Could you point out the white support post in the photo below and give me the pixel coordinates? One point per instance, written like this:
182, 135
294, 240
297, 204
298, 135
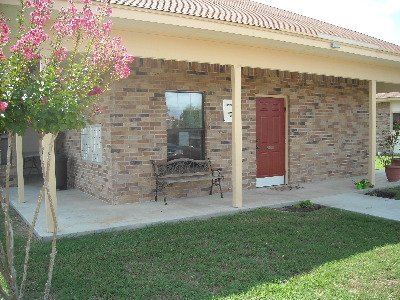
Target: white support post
372, 131
20, 169
236, 81
52, 180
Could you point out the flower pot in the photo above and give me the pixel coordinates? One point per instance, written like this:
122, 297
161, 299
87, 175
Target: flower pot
396, 162
392, 173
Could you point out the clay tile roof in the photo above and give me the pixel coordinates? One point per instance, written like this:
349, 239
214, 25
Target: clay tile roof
388, 95
251, 13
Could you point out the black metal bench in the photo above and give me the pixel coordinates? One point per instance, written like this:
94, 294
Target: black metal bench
185, 170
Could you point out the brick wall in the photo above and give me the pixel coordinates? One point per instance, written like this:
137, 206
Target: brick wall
328, 131
382, 123
91, 178
328, 123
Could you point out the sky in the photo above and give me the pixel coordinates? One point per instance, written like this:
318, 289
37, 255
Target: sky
377, 18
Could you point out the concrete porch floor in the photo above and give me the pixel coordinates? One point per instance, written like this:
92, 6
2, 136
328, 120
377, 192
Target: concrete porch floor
79, 213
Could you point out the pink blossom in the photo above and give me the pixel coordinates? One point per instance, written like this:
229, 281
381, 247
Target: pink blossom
96, 90
3, 106
4, 32
30, 42
41, 10
106, 26
61, 53
97, 110
122, 70
29, 54
127, 58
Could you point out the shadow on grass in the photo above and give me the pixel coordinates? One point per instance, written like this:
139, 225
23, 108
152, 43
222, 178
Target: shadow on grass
204, 259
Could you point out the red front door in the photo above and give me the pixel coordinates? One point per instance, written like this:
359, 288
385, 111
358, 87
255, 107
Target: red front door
270, 134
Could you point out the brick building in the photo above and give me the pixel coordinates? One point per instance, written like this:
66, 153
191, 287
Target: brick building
327, 118
302, 94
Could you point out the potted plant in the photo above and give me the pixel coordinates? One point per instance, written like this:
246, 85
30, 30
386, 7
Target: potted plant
387, 159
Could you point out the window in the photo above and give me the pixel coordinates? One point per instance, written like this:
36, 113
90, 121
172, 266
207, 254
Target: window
395, 118
91, 149
185, 125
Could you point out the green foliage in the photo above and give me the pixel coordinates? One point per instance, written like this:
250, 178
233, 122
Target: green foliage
389, 143
363, 184
263, 254
15, 81
61, 102
304, 204
191, 117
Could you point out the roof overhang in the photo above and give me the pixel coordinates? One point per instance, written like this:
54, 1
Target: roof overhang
179, 24
158, 34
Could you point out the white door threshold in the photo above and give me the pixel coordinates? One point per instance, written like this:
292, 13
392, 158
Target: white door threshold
270, 181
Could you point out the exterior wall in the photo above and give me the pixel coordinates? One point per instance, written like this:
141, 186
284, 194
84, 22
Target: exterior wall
382, 123
328, 123
328, 127
91, 178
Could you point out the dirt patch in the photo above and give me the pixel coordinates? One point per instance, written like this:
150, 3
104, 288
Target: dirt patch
301, 209
19, 226
286, 187
382, 193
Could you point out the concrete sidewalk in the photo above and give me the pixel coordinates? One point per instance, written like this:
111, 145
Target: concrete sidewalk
357, 202
79, 213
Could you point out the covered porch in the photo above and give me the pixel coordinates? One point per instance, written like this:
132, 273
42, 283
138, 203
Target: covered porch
238, 47
80, 213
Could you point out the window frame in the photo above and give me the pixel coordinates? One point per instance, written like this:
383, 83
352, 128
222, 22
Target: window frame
203, 119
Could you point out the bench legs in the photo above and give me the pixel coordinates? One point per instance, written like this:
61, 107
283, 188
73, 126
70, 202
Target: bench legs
216, 181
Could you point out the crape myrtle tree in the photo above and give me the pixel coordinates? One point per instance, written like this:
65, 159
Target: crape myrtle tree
52, 71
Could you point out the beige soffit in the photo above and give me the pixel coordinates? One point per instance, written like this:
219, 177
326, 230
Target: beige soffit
259, 15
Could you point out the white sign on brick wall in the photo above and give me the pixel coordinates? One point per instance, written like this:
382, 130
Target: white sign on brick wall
227, 108
91, 147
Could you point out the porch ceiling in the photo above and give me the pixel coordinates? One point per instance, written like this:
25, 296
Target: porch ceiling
382, 87
166, 35
255, 52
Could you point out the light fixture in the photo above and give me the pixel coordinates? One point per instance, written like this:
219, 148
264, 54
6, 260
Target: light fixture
335, 45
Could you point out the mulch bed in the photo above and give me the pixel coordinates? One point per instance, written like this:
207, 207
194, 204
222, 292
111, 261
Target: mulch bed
286, 187
382, 194
301, 209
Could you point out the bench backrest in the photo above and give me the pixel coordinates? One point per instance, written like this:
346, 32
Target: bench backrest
181, 166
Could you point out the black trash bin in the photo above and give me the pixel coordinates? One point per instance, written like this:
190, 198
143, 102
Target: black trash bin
61, 171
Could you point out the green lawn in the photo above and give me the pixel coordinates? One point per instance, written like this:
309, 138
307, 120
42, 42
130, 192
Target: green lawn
263, 254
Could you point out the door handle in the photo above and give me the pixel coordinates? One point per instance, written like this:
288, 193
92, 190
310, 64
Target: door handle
257, 148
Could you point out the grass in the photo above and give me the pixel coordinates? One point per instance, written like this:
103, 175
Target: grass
263, 254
